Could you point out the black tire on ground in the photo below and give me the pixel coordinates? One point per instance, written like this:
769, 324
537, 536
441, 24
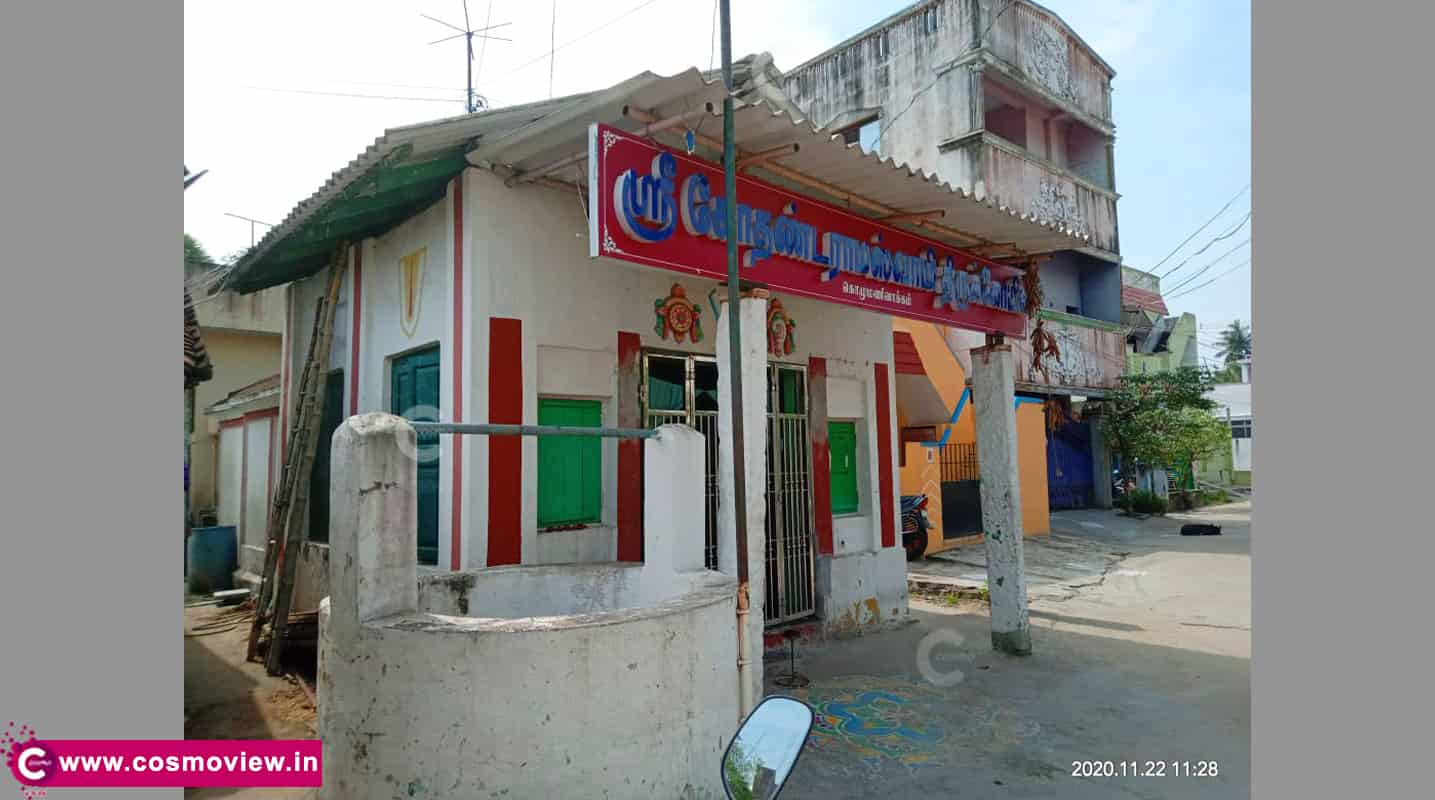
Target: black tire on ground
1200, 529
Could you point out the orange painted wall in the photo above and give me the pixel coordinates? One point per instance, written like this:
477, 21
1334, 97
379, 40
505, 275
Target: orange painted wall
1031, 465
949, 379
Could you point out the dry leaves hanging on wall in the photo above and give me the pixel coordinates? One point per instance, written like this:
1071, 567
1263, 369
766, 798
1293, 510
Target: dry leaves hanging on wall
1031, 281
1043, 343
1056, 414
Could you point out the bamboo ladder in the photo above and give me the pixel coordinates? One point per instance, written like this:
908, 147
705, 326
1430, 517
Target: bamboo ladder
291, 502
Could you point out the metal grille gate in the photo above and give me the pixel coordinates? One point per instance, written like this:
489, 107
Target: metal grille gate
790, 547
790, 581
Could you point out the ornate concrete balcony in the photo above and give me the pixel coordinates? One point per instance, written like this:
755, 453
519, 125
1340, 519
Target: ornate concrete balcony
994, 168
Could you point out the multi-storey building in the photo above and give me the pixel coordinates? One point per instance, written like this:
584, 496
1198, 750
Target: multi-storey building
1004, 101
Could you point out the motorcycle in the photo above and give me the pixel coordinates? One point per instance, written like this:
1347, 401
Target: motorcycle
915, 525
760, 758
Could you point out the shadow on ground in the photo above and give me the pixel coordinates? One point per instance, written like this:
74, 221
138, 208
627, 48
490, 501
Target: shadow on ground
1011, 727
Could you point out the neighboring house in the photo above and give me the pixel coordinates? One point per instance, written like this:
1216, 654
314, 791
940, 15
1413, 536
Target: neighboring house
243, 468
483, 284
1006, 103
1155, 341
197, 370
1233, 405
242, 338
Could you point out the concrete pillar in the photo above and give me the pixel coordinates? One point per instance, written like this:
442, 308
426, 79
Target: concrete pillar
373, 522
752, 319
1101, 463
994, 403
673, 478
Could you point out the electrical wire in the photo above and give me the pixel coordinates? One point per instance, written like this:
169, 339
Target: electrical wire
1198, 273
712, 38
1213, 280
483, 48
1197, 232
968, 49
1228, 234
348, 94
609, 23
552, 37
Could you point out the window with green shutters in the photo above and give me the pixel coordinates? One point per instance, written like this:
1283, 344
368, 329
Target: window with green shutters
842, 452
570, 479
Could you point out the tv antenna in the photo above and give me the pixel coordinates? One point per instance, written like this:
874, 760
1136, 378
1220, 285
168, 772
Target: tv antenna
252, 223
474, 101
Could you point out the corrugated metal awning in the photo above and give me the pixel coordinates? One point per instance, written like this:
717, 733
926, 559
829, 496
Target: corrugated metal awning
407, 169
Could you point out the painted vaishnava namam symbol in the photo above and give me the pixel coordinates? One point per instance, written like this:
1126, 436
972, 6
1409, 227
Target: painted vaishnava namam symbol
677, 316
780, 329
411, 277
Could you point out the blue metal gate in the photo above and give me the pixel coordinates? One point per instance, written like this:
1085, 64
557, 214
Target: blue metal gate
1069, 478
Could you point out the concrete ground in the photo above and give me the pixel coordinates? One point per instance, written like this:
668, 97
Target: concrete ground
226, 697
1146, 659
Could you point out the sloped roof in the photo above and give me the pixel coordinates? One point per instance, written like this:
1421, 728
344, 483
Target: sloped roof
1135, 297
258, 390
407, 169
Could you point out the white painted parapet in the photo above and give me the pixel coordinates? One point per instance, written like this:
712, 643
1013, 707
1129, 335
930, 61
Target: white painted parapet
593, 680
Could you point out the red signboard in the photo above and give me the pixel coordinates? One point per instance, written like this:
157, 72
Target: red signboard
656, 206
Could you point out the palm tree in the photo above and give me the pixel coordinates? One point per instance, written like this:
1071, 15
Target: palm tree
1235, 343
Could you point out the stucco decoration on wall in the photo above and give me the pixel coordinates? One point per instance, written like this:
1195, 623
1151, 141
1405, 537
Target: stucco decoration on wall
678, 316
1052, 204
411, 284
1048, 59
780, 329
1076, 366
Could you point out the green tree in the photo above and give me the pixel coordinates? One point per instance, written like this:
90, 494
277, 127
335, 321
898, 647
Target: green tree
741, 767
1163, 418
1235, 343
194, 253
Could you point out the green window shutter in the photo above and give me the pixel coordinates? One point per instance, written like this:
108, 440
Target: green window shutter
570, 480
842, 452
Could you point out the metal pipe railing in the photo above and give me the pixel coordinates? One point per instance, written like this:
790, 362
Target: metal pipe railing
532, 430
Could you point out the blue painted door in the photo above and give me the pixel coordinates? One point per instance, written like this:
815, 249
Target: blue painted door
414, 395
1069, 478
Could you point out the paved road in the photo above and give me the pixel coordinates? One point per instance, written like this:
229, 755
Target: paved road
1149, 660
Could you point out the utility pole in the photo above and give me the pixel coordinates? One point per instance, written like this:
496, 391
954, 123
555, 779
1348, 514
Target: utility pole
734, 300
472, 102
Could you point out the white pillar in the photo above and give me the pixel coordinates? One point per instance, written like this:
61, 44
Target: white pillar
994, 403
373, 522
673, 478
752, 318
373, 568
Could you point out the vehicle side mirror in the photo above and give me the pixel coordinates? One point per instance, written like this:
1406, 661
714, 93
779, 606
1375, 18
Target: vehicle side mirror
761, 756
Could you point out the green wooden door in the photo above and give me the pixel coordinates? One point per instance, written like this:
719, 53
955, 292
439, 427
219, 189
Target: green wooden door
842, 450
332, 418
570, 468
414, 395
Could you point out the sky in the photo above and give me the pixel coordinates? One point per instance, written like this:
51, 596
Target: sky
279, 95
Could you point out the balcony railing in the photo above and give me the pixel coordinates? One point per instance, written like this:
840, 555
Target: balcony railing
995, 169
